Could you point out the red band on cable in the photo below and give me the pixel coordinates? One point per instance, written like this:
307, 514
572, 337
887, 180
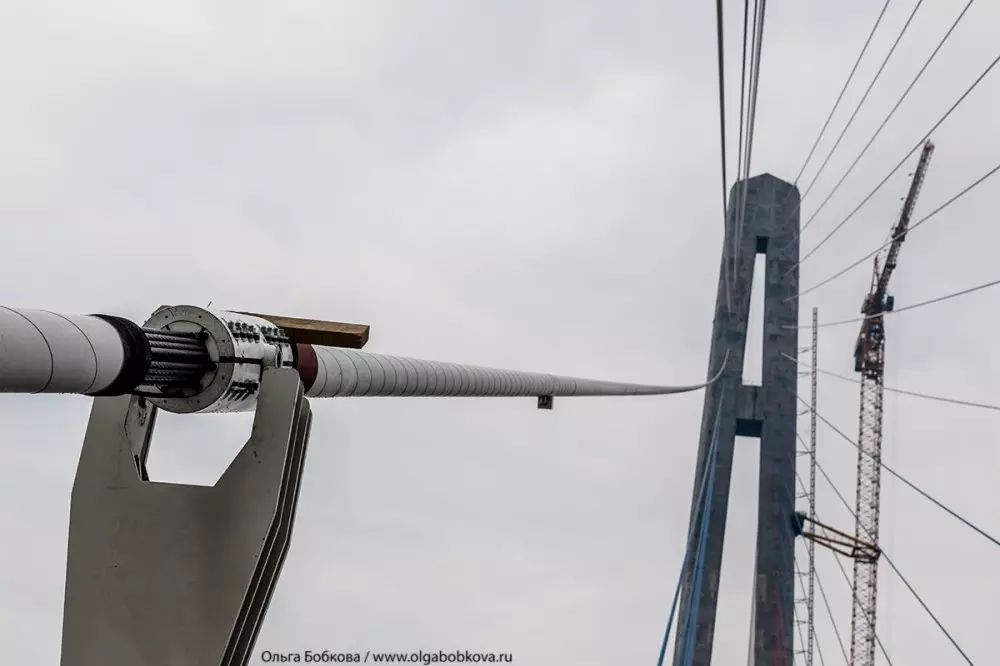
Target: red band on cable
308, 365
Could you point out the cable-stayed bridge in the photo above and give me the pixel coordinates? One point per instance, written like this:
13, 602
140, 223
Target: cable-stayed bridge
174, 362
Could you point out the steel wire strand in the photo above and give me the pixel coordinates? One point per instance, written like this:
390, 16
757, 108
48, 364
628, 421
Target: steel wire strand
928, 396
868, 618
700, 504
752, 113
857, 109
895, 569
819, 650
798, 628
836, 630
886, 120
932, 301
843, 90
722, 127
722, 97
728, 280
739, 149
909, 483
909, 229
882, 183
744, 159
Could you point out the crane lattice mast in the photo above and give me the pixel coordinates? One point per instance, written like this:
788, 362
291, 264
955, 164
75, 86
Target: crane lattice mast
869, 360
811, 545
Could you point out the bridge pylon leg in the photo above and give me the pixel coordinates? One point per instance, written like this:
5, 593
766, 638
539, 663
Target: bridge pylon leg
161, 574
767, 412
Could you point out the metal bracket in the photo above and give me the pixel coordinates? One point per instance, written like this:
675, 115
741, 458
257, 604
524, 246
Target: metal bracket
835, 540
162, 574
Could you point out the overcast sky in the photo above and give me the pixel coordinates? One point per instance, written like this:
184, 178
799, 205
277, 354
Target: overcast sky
519, 184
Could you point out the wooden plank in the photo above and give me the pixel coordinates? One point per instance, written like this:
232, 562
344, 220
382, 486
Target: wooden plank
317, 332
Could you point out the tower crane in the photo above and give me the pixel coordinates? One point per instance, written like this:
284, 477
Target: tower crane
869, 361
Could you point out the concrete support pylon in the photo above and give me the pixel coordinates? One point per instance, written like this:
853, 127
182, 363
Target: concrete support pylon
160, 574
770, 228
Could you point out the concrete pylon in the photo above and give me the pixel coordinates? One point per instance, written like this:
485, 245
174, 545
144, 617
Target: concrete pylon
770, 227
162, 574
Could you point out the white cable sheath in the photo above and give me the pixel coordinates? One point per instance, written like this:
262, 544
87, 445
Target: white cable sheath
44, 352
347, 372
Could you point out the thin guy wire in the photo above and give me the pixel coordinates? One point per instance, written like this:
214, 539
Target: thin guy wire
798, 477
847, 579
722, 99
894, 169
691, 624
752, 119
798, 628
743, 88
885, 122
795, 564
911, 227
932, 301
857, 109
754, 84
868, 617
916, 596
753, 622
885, 556
906, 481
840, 641
700, 503
939, 398
798, 575
739, 143
819, 650
744, 166
722, 128
744, 175
842, 91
